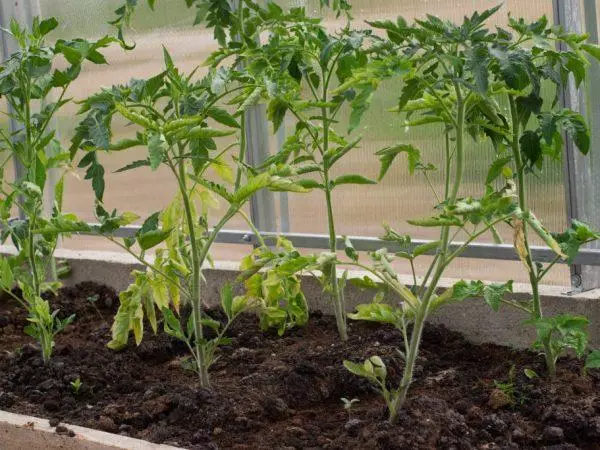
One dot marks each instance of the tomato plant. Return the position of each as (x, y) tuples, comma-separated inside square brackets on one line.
[(171, 113), (29, 83)]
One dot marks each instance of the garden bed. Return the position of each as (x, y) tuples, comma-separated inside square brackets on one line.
[(285, 392)]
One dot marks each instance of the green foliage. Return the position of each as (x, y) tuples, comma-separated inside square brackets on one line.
[(308, 75), (593, 360), (170, 116), (563, 332), (44, 325), (76, 385), (458, 76), (34, 90), (272, 285)]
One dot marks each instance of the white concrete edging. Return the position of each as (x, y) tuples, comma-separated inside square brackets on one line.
[(18, 432), (473, 318)]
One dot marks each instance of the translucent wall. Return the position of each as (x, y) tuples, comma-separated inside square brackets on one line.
[(141, 191), (359, 210)]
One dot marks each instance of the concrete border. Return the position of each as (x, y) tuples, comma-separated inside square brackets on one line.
[(473, 318), (18, 432)]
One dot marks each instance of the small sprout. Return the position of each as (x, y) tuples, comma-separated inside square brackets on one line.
[(76, 385), (348, 404), (531, 374)]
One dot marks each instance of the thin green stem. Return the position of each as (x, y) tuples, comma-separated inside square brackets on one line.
[(196, 274), (339, 307), (544, 272), (423, 311), (259, 237), (533, 277)]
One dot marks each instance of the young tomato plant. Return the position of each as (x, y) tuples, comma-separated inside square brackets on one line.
[(271, 283), (522, 65), (443, 87), (171, 113), (28, 83), (307, 75)]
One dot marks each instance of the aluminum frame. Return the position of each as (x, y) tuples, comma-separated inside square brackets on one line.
[(582, 183), (263, 204), (504, 252)]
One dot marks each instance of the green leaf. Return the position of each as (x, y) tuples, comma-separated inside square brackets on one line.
[(531, 374), (388, 155), (352, 179), (308, 183), (227, 300), (125, 144), (412, 89), (477, 61), (152, 238), (134, 165), (223, 117), (576, 127), (439, 221), (46, 26), (496, 169), (378, 312), (358, 369), (200, 132), (157, 145), (276, 111), (95, 172), (359, 107), (464, 290), (172, 325), (493, 294), (531, 148), (426, 248), (349, 249), (6, 275), (593, 360), (592, 49)]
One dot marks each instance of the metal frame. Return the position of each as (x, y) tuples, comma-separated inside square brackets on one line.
[(24, 11), (579, 183), (504, 252), (582, 184)]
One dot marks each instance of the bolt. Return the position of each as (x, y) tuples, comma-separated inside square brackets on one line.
[(247, 238), (576, 280)]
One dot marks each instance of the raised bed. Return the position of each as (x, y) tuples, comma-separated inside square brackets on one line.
[(272, 392)]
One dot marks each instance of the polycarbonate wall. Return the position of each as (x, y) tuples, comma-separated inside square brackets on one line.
[(360, 210)]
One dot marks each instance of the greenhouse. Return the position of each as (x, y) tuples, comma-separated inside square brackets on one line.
[(299, 224)]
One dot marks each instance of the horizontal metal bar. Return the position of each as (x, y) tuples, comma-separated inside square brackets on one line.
[(589, 257)]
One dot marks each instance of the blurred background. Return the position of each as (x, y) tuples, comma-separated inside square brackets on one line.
[(359, 210)]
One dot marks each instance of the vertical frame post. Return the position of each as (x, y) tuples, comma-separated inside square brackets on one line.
[(262, 204), (23, 11), (582, 182), (284, 207)]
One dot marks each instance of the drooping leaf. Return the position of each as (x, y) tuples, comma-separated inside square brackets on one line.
[(388, 155), (352, 179)]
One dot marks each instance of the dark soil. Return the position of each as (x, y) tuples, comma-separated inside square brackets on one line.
[(284, 393)]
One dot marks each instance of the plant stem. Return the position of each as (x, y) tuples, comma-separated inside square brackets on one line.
[(533, 278), (340, 313), (196, 300), (338, 303), (339, 309), (421, 315)]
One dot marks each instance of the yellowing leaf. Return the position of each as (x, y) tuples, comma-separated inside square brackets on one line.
[(223, 170), (519, 241)]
